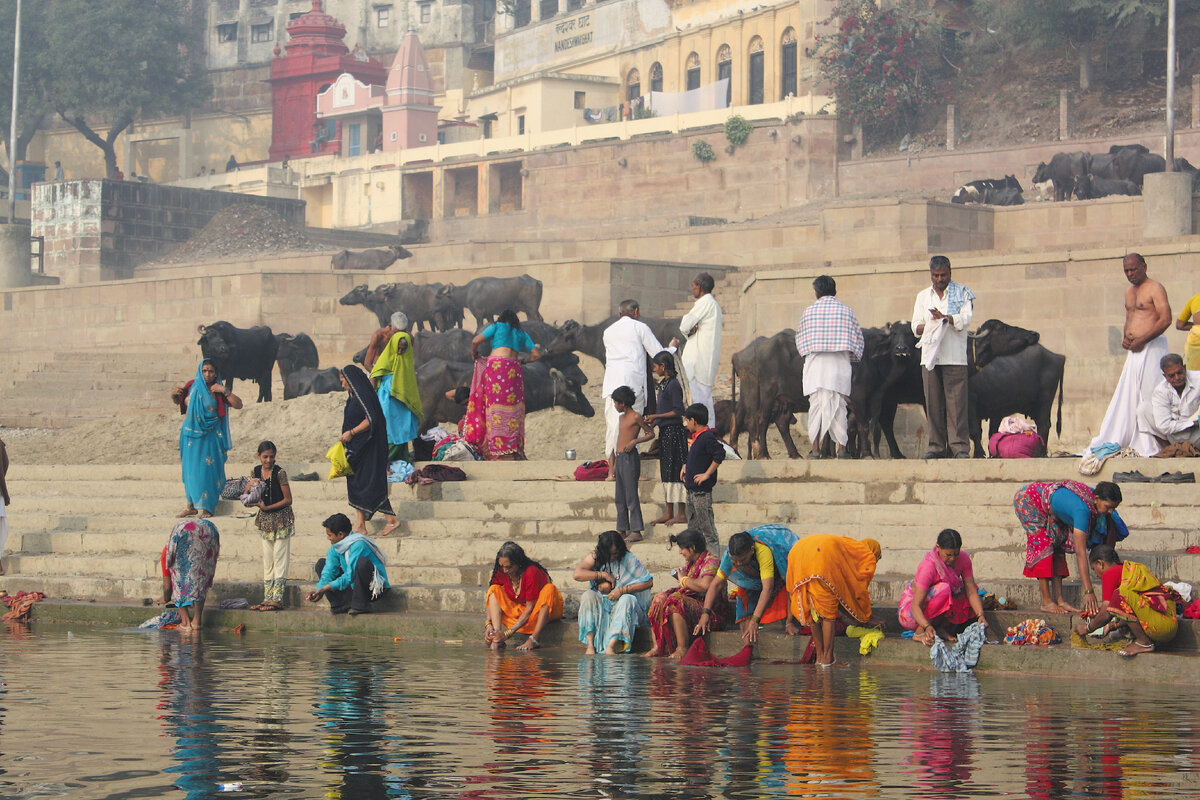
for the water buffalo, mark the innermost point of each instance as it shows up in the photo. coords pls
(295, 352)
(1022, 383)
(245, 353)
(307, 380)
(416, 301)
(882, 380)
(455, 345)
(770, 370)
(1064, 169)
(1089, 187)
(485, 298)
(545, 387)
(1133, 162)
(369, 259)
(298, 362)
(589, 339)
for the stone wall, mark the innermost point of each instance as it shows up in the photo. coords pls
(98, 230)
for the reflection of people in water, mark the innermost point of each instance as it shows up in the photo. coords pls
(686, 729)
(520, 712)
(272, 744)
(829, 738)
(350, 710)
(1048, 772)
(617, 723)
(189, 716)
(940, 730)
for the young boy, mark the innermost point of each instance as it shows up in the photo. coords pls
(699, 474)
(627, 464)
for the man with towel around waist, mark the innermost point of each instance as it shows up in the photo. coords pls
(1147, 316)
(940, 319)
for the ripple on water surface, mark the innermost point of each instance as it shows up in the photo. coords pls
(103, 714)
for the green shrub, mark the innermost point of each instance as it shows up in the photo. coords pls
(737, 130)
(702, 150)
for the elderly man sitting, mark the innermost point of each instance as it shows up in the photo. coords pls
(1170, 412)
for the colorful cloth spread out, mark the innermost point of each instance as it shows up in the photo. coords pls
(204, 442)
(366, 452)
(1031, 632)
(399, 397)
(746, 581)
(824, 572)
(829, 326)
(616, 622)
(535, 587)
(192, 551)
(1048, 536)
(21, 603)
(964, 655)
(1137, 596)
(687, 603)
(495, 419)
(698, 655)
(944, 590)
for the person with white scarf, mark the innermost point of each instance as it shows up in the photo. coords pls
(352, 574)
(941, 315)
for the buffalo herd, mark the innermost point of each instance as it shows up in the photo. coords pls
(1010, 373)
(440, 306)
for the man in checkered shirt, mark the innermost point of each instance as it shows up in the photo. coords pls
(829, 338)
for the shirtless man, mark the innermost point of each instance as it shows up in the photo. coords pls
(627, 464)
(1147, 316)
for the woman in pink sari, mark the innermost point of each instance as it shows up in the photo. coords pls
(940, 599)
(495, 419)
(676, 611)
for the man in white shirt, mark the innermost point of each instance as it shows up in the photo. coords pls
(941, 316)
(1170, 412)
(702, 327)
(627, 343)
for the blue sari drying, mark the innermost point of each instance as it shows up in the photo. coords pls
(617, 621)
(204, 443)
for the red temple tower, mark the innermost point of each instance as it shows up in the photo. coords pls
(316, 56)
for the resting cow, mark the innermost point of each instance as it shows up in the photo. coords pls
(298, 362)
(245, 353)
(1089, 187)
(369, 259)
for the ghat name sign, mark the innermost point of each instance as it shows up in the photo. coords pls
(573, 32)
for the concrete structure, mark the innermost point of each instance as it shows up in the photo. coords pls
(14, 256)
(1167, 202)
(402, 113)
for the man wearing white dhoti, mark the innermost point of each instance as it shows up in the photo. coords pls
(1147, 316)
(829, 337)
(1170, 414)
(627, 342)
(702, 327)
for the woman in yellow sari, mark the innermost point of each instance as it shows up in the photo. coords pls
(1134, 601)
(824, 573)
(395, 380)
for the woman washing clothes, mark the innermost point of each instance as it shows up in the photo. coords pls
(1135, 602)
(495, 420)
(676, 611)
(826, 576)
(365, 437)
(394, 377)
(940, 599)
(520, 599)
(1063, 517)
(754, 562)
(191, 558)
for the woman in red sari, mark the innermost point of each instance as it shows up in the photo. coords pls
(520, 599)
(676, 611)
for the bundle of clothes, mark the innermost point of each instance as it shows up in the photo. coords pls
(1032, 632)
(21, 604)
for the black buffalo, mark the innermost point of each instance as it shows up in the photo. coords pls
(245, 353)
(416, 301)
(369, 259)
(1089, 187)
(887, 376)
(307, 380)
(589, 339)
(485, 298)
(1064, 170)
(545, 387)
(770, 371)
(295, 352)
(1022, 383)
(979, 191)
(298, 362)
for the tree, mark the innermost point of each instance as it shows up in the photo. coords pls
(119, 60)
(1081, 24)
(882, 63)
(33, 104)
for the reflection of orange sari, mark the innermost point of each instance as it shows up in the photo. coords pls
(828, 748)
(510, 609)
(825, 572)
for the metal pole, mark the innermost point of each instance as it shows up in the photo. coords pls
(1170, 144)
(12, 126)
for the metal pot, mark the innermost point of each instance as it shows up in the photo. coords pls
(570, 455)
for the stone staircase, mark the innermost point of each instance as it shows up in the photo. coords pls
(95, 532)
(728, 292)
(76, 385)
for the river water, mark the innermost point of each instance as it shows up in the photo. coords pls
(102, 713)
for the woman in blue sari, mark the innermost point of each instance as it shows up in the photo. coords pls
(755, 562)
(615, 604)
(204, 439)
(365, 437)
(395, 379)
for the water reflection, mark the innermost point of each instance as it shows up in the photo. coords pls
(343, 718)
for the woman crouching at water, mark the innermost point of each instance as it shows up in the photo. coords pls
(520, 599)
(614, 605)
(674, 612)
(940, 599)
(1134, 602)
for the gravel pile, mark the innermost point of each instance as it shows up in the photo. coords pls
(241, 229)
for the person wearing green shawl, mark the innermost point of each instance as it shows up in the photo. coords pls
(395, 381)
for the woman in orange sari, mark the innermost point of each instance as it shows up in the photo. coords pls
(826, 574)
(520, 599)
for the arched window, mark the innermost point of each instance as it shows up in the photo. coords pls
(692, 65)
(725, 70)
(788, 63)
(656, 80)
(757, 66)
(633, 85)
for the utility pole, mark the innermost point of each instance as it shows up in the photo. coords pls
(1169, 150)
(12, 127)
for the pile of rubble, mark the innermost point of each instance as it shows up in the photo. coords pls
(240, 229)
